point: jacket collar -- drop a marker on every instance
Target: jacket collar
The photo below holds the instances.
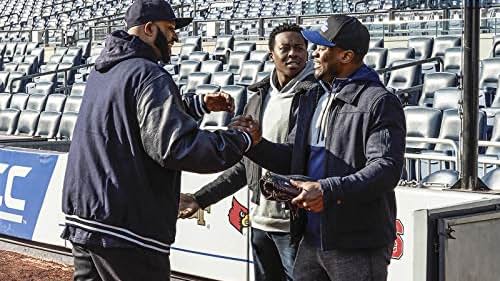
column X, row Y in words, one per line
column 350, row 92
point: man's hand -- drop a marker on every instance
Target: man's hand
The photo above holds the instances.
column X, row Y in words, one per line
column 311, row 197
column 249, row 125
column 219, row 102
column 187, row 206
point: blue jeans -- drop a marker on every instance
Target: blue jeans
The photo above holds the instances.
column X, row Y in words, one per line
column 269, row 248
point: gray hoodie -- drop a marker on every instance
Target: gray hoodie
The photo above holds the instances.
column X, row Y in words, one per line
column 270, row 215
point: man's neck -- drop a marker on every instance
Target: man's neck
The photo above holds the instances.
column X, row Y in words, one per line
column 343, row 74
column 282, row 80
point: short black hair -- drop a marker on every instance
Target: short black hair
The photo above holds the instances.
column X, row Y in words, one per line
column 285, row 27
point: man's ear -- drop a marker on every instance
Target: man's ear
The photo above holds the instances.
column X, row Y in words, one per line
column 149, row 29
column 271, row 56
column 348, row 56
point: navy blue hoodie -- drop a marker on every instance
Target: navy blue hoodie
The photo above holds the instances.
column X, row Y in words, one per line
column 133, row 136
column 318, row 153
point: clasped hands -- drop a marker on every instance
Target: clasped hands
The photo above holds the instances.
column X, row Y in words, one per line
column 310, row 199
column 219, row 101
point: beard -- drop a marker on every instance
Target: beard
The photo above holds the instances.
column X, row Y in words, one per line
column 161, row 43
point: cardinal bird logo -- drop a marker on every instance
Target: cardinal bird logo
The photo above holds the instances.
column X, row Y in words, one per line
column 238, row 216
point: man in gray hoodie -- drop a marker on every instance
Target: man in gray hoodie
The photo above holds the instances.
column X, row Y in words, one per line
column 274, row 102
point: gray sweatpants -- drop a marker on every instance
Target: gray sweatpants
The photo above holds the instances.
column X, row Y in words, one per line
column 341, row 265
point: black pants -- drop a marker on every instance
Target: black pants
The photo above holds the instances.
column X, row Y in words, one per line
column 110, row 264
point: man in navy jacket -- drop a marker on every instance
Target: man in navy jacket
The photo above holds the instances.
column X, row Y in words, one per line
column 349, row 137
column 134, row 136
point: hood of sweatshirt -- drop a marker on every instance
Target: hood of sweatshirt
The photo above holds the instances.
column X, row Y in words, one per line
column 364, row 73
column 121, row 46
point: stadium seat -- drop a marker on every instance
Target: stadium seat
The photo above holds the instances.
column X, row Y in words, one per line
column 49, row 77
column 85, row 46
column 31, row 46
column 495, row 137
column 442, row 43
column 17, row 59
column 397, row 54
column 60, row 51
column 33, row 61
column 21, row 48
column 43, row 88
column 78, row 89
column 55, row 58
column 376, row 43
column 239, row 95
column 211, row 66
column 24, row 68
column 245, row 47
column 433, row 82
column 4, row 100
column 67, row 125
column 36, row 102
column 492, row 179
column 446, row 177
column 259, row 55
column 453, row 60
column 198, row 56
column 223, row 46
column 8, row 121
column 26, row 125
column 495, row 52
column 55, row 103
column 446, row 98
column 488, row 80
column 40, row 53
column 194, row 40
column 422, row 122
column 72, row 104
column 19, row 101
column 10, row 49
column 48, row 124
column 194, row 80
column 222, row 78
column 187, row 67
column 376, row 58
column 405, row 78
column 207, row 89
column 451, row 127
column 248, row 73
column 4, row 79
column 10, row 66
column 186, row 51
column 422, row 46
column 236, row 60
column 70, row 59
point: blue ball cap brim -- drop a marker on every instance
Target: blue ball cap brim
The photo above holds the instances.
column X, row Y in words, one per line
column 315, row 37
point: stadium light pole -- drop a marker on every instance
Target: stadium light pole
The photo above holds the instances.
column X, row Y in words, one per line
column 470, row 99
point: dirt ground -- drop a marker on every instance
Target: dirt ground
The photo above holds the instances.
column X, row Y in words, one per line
column 17, row 267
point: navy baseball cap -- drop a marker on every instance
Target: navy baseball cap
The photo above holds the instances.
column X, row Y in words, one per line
column 143, row 11
column 343, row 31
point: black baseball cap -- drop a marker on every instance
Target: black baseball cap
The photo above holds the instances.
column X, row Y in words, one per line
column 343, row 31
column 143, row 11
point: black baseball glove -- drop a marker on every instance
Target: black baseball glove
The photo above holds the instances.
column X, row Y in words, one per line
column 278, row 188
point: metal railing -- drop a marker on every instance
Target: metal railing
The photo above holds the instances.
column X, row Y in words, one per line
column 65, row 70
column 455, row 158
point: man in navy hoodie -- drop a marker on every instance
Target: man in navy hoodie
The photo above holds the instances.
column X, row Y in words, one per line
column 350, row 138
column 134, row 136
